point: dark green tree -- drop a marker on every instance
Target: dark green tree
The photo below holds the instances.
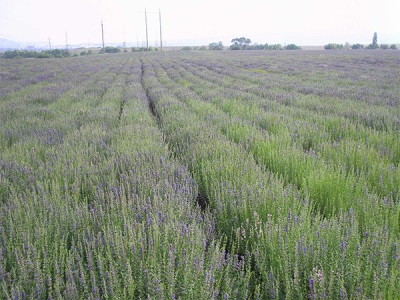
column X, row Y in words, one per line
column 109, row 49
column 375, row 41
column 374, row 44
column 333, row 46
column 357, row 46
column 292, row 47
column 240, row 43
column 216, row 46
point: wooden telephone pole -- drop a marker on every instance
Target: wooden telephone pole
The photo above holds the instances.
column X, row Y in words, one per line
column 159, row 12
column 147, row 34
column 102, row 33
column 66, row 41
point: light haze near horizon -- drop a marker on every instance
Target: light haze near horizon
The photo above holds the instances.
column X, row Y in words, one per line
column 200, row 22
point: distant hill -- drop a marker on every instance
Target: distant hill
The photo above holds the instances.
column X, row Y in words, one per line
column 8, row 44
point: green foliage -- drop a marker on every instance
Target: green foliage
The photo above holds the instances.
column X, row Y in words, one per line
column 143, row 49
column 137, row 49
column 235, row 47
column 292, row 47
column 186, row 48
column 273, row 47
column 19, row 53
column 393, row 47
column 216, row 46
column 357, row 46
column 44, row 55
column 333, row 46
column 33, row 54
column 256, row 46
column 109, row 49
column 374, row 44
column 384, row 46
column 58, row 53
column 240, row 43
column 375, row 41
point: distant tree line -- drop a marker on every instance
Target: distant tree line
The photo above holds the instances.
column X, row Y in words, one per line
column 334, row 46
column 243, row 43
column 65, row 53
column 142, row 49
column 373, row 45
column 34, row 54
column 216, row 46
column 110, row 49
column 89, row 52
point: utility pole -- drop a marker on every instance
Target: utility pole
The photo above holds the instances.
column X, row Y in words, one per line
column 102, row 32
column 159, row 12
column 66, row 41
column 49, row 44
column 147, row 34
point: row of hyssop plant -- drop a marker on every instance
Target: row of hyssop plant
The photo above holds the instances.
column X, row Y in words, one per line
column 188, row 175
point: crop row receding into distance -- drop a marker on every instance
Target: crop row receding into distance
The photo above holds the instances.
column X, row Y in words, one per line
column 187, row 175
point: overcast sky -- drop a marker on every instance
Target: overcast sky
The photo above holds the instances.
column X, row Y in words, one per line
column 197, row 22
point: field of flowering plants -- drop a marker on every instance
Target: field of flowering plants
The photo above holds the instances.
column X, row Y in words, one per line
column 201, row 175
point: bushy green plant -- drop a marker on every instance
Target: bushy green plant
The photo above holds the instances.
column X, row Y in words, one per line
column 44, row 55
column 225, row 176
column 333, row 46
column 241, row 43
column 273, row 47
column 216, row 46
column 357, row 46
column 292, row 47
column 110, row 49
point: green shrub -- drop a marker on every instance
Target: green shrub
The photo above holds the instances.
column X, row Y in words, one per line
column 44, row 55
column 110, row 49
column 292, row 47
column 333, row 46
column 273, row 47
column 216, row 46
column 357, row 46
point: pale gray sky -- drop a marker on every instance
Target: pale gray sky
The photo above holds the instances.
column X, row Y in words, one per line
column 303, row 22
